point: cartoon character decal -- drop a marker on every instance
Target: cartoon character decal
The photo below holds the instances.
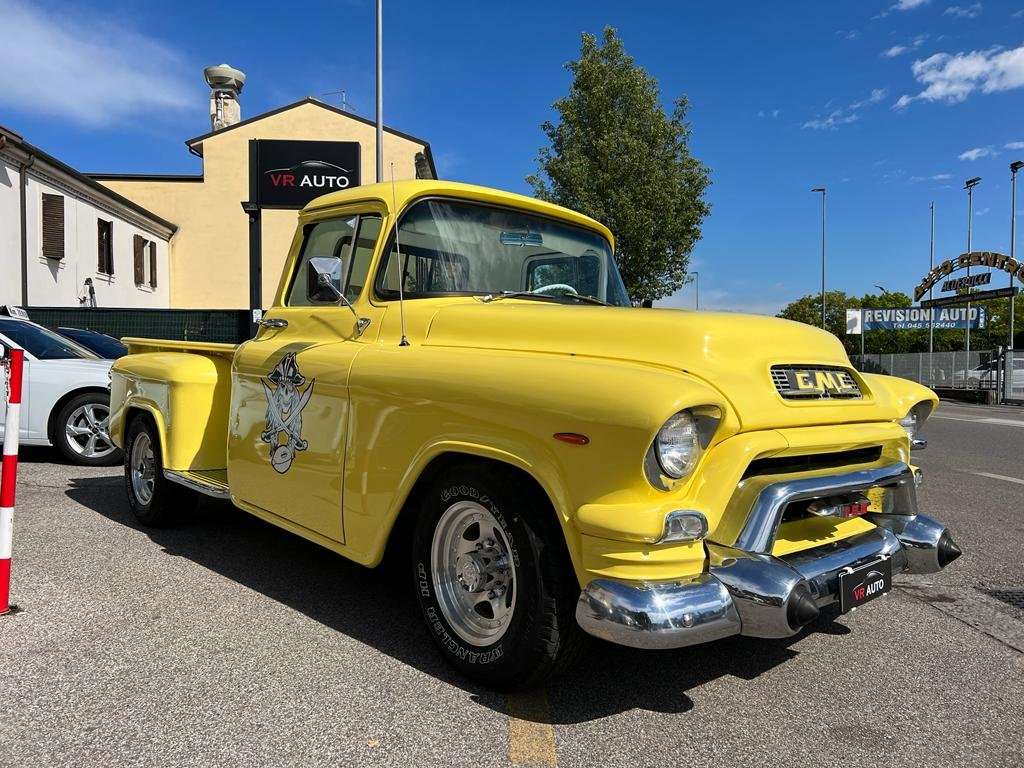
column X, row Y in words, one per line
column 285, row 401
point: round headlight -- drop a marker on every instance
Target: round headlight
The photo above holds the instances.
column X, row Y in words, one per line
column 678, row 445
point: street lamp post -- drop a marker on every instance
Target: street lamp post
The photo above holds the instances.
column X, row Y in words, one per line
column 969, row 185
column 1014, row 167
column 822, row 190
column 380, row 91
column 696, row 287
column 931, row 310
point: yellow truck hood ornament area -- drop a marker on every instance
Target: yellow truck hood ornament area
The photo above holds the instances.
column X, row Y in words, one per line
column 723, row 475
column 285, row 402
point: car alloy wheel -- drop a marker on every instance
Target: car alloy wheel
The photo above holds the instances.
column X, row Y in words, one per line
column 473, row 575
column 87, row 433
column 143, row 469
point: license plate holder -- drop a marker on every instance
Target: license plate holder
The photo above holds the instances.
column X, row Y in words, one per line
column 862, row 585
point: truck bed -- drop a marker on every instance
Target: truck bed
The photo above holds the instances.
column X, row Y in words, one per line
column 138, row 345
column 185, row 387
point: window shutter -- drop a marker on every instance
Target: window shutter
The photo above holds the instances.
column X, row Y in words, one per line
column 152, row 264
column 53, row 227
column 140, row 264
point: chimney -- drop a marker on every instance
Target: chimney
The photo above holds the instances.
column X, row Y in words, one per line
column 225, row 84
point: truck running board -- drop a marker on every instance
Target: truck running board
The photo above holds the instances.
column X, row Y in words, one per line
column 210, row 482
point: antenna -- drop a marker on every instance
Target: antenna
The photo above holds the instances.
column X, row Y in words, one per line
column 401, row 266
column 343, row 98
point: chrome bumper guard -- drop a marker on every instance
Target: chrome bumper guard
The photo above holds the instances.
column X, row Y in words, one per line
column 756, row 594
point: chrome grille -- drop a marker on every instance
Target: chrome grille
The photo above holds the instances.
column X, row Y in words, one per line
column 824, row 382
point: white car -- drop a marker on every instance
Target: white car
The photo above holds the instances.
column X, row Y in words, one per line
column 65, row 400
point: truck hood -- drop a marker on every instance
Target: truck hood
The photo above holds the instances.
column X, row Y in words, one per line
column 730, row 351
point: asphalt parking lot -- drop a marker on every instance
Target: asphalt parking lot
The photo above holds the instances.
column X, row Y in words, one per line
column 229, row 642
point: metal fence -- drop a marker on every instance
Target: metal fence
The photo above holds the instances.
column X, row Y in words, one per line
column 956, row 370
column 1014, row 374
column 223, row 325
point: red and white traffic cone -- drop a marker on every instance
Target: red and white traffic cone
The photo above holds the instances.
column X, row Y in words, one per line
column 9, row 473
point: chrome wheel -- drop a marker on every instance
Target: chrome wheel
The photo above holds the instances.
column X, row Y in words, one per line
column 143, row 469
column 473, row 574
column 87, row 431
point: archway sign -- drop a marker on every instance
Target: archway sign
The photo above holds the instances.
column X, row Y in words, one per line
column 989, row 259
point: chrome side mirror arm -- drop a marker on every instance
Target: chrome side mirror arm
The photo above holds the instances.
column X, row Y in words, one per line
column 362, row 323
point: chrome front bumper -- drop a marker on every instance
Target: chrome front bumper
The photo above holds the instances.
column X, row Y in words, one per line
column 754, row 593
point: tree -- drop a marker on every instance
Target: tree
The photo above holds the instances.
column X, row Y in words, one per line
column 616, row 156
column 807, row 309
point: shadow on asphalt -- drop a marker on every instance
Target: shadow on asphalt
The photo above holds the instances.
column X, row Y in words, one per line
column 376, row 608
column 41, row 454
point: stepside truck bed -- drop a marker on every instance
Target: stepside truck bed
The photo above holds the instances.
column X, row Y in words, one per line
column 185, row 388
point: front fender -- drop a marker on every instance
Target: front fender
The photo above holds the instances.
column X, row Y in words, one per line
column 903, row 394
column 411, row 404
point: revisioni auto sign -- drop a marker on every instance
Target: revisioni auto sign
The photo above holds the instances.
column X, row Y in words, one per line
column 913, row 318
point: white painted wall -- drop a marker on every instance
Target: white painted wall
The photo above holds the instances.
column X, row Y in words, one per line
column 61, row 283
column 10, row 233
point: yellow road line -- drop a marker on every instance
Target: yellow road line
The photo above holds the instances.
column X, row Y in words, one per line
column 531, row 738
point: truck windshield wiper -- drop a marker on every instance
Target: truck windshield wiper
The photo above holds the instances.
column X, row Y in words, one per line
column 542, row 297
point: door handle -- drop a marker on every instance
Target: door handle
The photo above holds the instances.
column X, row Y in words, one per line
column 274, row 322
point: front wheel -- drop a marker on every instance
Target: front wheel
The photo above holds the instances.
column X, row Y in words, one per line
column 493, row 579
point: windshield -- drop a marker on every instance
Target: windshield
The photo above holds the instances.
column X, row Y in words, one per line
column 41, row 343
column 105, row 346
column 459, row 248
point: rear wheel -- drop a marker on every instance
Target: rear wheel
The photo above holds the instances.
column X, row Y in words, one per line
column 493, row 579
column 80, row 431
column 154, row 500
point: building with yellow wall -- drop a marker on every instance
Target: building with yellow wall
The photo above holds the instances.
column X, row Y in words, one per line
column 210, row 251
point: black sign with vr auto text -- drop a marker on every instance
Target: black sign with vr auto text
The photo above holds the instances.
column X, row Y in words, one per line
column 291, row 173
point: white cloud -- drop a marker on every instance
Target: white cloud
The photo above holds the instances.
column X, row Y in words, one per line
column 86, row 70
column 977, row 153
column 845, row 115
column 1014, row 145
column 963, row 12
column 831, row 121
column 908, row 5
column 899, row 50
column 933, row 177
column 951, row 78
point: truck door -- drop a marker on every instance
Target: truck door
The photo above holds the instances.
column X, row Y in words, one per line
column 290, row 402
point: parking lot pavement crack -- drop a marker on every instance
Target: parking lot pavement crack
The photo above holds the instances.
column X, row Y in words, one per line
column 975, row 608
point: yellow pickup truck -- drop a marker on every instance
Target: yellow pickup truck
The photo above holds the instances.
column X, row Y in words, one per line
column 458, row 373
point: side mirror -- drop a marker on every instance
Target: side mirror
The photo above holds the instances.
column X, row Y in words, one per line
column 323, row 279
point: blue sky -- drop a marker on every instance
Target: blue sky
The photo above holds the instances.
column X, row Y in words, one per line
column 891, row 105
